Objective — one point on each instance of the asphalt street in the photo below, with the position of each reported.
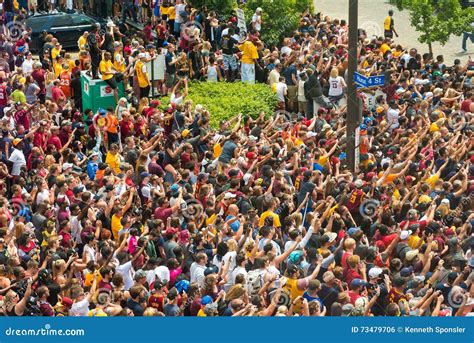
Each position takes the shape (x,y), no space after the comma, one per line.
(371,16)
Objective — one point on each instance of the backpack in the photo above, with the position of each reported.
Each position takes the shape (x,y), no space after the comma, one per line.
(254,282)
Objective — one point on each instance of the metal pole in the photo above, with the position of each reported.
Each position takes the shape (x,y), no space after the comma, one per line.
(352,101)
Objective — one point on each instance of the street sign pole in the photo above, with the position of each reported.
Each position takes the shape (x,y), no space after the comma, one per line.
(352,100)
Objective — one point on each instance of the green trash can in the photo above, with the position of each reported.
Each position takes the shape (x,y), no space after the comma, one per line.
(98,94)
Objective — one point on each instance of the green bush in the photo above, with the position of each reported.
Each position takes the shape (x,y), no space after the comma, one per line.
(222,7)
(280,17)
(225,100)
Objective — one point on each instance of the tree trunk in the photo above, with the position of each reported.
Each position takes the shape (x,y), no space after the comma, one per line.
(430,47)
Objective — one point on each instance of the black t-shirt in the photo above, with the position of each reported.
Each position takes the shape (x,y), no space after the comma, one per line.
(228,43)
(170,68)
(135,307)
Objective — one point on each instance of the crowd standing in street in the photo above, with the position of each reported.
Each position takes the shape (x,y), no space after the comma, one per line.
(140,210)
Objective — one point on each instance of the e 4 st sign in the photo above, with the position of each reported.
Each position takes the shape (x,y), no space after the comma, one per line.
(372,81)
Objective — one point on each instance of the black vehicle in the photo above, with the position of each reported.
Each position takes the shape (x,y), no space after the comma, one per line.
(66,27)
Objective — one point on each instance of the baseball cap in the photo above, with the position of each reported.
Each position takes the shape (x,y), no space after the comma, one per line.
(353,230)
(407,271)
(206,300)
(144,175)
(411,254)
(375,272)
(141,55)
(358,283)
(17,141)
(174,188)
(67,166)
(331,236)
(229,195)
(358,183)
(404,234)
(170,231)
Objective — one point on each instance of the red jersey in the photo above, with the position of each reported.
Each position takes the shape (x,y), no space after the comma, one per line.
(355,200)
(3,95)
(65,83)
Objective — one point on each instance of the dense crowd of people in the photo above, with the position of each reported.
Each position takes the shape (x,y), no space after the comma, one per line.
(140,210)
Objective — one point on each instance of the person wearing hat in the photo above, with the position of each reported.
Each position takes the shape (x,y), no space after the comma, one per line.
(94,50)
(17,157)
(142,76)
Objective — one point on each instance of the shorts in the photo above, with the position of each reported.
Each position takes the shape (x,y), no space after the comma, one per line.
(170,79)
(292,93)
(248,73)
(113,81)
(230,62)
(302,106)
(388,33)
(144,92)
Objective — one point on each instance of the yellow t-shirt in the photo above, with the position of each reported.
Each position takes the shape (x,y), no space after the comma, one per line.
(424,198)
(384,48)
(291,287)
(81,43)
(113,162)
(55,53)
(413,241)
(171,13)
(140,69)
(386,23)
(217,150)
(97,312)
(249,52)
(276,218)
(106,67)
(58,69)
(322,160)
(432,180)
(201,313)
(116,226)
(119,63)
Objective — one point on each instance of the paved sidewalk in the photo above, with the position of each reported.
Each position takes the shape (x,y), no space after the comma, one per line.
(371,16)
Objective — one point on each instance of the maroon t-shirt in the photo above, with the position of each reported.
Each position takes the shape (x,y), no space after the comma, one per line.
(163,213)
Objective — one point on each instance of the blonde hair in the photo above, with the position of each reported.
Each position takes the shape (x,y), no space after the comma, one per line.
(334,72)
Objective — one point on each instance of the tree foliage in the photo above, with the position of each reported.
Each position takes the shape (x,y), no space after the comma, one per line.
(280,17)
(225,100)
(222,7)
(437,20)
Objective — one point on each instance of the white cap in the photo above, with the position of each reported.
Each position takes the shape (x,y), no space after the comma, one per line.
(311,134)
(404,234)
(67,166)
(358,183)
(141,55)
(259,9)
(375,272)
(229,195)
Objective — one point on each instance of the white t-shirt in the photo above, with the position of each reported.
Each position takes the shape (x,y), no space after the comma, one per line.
(176,100)
(392,118)
(286,50)
(281,90)
(256,19)
(126,270)
(18,159)
(27,66)
(197,273)
(79,309)
(42,196)
(179,8)
(335,86)
(301,96)
(237,271)
(162,272)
